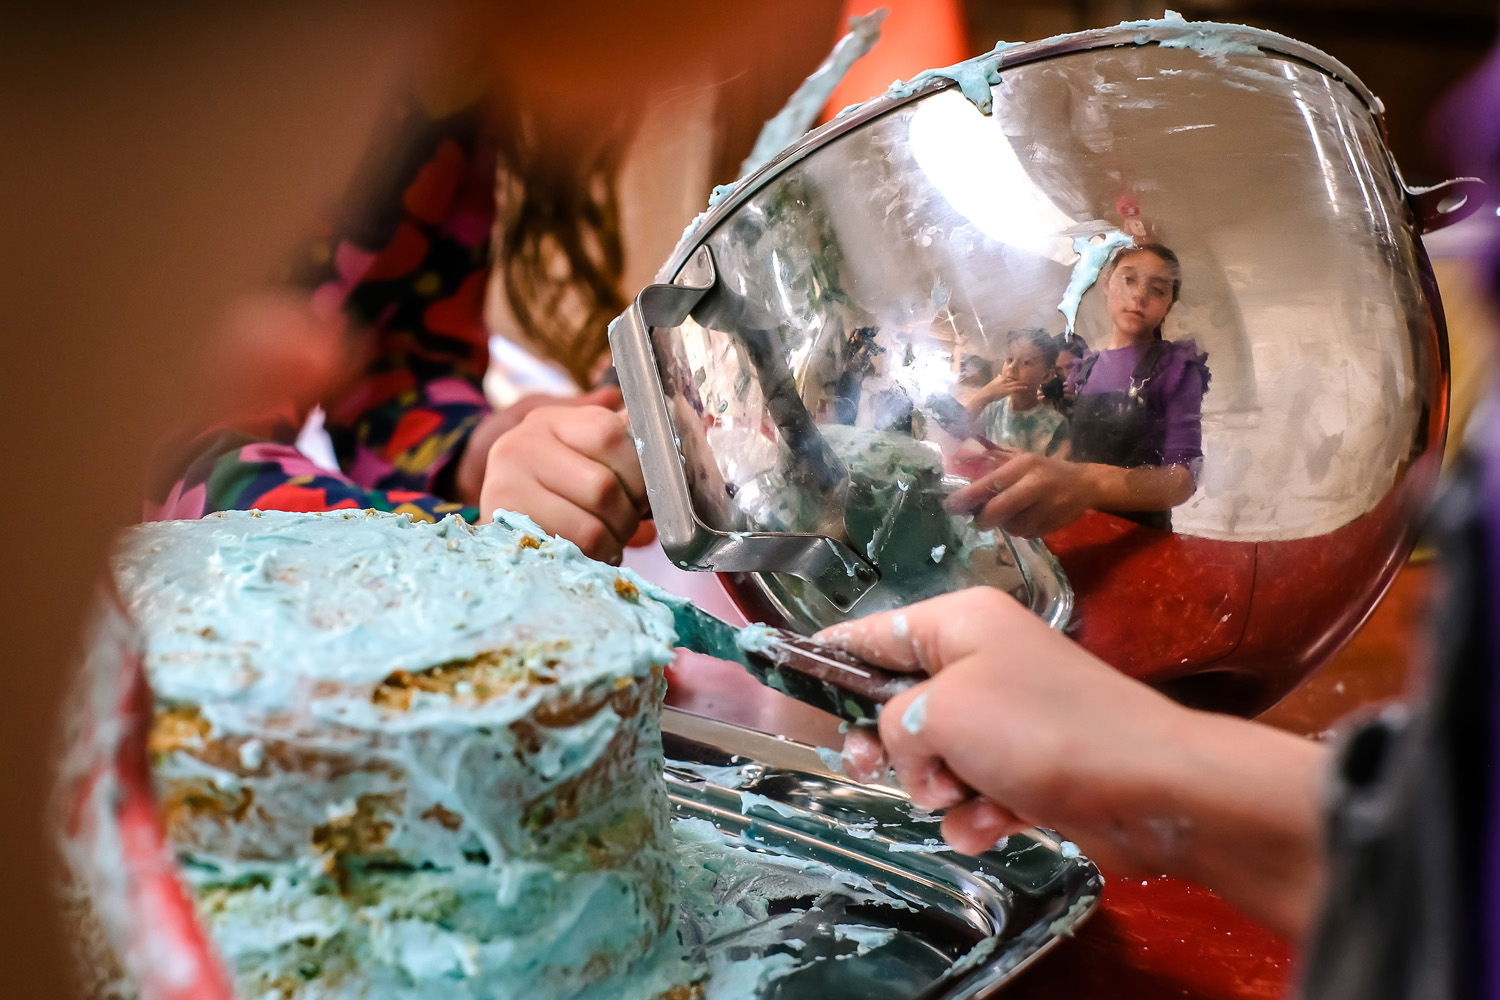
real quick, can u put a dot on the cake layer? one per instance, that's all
(438, 743)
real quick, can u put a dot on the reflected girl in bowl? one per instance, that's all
(1135, 431)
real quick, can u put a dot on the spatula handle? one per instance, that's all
(829, 678)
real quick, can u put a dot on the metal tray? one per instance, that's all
(972, 923)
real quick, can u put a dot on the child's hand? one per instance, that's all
(1016, 711)
(1026, 495)
(1015, 388)
(1047, 735)
(999, 387)
(572, 469)
(972, 460)
(468, 475)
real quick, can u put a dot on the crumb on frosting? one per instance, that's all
(474, 680)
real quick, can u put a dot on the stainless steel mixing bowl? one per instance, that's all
(788, 381)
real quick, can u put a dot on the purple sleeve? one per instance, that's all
(1183, 380)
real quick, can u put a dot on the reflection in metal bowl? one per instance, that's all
(855, 289)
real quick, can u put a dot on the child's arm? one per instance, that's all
(1049, 735)
(1031, 495)
(998, 387)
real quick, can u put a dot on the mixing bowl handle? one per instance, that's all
(1442, 205)
(841, 573)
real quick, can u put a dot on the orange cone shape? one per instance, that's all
(917, 35)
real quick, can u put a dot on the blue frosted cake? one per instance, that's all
(405, 759)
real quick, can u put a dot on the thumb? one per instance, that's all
(933, 634)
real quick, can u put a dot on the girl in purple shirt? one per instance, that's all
(1135, 424)
(1138, 401)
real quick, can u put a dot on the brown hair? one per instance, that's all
(558, 246)
(1039, 338)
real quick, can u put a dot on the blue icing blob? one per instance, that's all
(915, 716)
(832, 759)
(1206, 38)
(1093, 254)
(974, 77)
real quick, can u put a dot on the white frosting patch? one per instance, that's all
(752, 802)
(866, 939)
(928, 846)
(832, 759)
(915, 716)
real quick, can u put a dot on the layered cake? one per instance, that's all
(407, 759)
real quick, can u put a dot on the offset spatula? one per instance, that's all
(815, 674)
(818, 675)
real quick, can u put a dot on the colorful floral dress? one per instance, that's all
(406, 261)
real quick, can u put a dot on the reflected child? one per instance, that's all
(1009, 410)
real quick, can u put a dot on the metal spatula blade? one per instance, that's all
(818, 675)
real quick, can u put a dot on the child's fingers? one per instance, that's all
(863, 756)
(883, 639)
(975, 826)
(586, 485)
(927, 635)
(1006, 471)
(607, 396)
(918, 765)
(604, 436)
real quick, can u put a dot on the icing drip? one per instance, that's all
(974, 76)
(802, 108)
(1094, 251)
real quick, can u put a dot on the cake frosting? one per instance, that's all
(409, 759)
